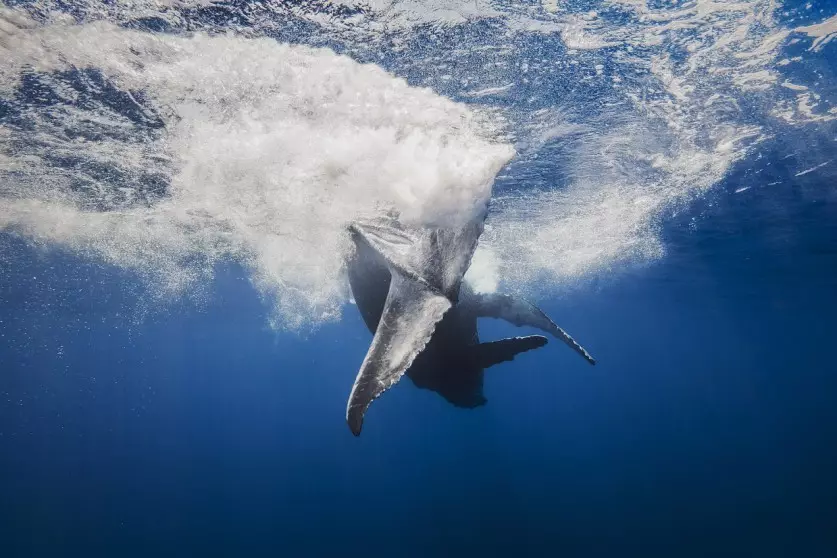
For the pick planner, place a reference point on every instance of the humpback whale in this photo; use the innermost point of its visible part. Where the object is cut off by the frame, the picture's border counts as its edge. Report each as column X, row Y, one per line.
column 407, row 283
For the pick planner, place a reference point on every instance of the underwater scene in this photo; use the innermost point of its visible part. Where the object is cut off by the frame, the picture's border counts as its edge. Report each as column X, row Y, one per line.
column 418, row 278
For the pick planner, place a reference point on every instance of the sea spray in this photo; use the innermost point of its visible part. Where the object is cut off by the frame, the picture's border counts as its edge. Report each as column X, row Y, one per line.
column 266, row 153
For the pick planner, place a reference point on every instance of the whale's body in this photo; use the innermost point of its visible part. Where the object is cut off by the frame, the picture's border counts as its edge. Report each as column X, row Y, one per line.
column 407, row 284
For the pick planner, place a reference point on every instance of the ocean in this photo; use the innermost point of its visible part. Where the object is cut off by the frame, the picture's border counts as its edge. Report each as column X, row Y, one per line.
column 178, row 339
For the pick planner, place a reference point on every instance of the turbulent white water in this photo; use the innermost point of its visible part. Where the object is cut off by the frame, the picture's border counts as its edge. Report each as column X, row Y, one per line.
column 271, row 151
column 166, row 153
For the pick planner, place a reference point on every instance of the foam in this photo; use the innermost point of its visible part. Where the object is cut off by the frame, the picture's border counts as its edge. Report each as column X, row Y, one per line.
column 407, row 14
column 671, row 128
column 269, row 151
column 822, row 33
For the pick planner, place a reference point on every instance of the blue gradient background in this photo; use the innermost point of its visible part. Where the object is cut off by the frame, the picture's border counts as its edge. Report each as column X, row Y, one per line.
column 709, row 427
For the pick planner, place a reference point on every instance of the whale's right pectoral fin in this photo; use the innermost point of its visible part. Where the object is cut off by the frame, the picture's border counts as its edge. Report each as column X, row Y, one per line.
column 411, row 312
column 522, row 313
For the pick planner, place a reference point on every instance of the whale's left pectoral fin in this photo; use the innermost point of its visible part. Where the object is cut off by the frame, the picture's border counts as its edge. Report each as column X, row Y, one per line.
column 521, row 313
column 494, row 352
column 411, row 312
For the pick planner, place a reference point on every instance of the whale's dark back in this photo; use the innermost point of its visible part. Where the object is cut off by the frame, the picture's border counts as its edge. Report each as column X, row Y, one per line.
column 369, row 278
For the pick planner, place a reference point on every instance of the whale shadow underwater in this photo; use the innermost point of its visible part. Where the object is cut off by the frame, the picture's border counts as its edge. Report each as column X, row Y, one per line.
column 407, row 284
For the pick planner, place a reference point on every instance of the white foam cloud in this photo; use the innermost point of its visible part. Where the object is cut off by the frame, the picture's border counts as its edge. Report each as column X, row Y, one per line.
column 269, row 151
column 620, row 117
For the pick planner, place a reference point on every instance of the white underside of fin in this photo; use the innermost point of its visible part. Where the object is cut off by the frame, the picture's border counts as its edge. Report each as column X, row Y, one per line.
column 410, row 315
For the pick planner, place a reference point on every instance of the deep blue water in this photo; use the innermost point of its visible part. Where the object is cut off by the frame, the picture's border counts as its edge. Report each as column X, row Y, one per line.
column 709, row 428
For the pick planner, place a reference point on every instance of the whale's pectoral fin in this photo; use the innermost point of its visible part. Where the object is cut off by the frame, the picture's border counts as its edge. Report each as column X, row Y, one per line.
column 411, row 312
column 521, row 313
column 504, row 350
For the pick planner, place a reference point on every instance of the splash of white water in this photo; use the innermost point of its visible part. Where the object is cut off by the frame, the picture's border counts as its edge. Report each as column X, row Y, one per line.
column 269, row 151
